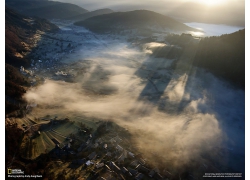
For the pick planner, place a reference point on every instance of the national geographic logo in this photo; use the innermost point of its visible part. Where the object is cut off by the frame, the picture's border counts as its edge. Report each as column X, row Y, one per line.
column 15, row 171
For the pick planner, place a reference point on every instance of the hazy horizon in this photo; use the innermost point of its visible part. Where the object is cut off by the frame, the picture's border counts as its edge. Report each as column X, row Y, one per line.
column 230, row 12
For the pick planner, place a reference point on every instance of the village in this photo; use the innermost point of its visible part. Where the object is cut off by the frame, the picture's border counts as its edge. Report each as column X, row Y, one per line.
column 75, row 137
column 94, row 150
column 106, row 152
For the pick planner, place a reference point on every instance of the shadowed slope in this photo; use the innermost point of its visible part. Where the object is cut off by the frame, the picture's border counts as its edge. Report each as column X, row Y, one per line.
column 224, row 56
column 45, row 9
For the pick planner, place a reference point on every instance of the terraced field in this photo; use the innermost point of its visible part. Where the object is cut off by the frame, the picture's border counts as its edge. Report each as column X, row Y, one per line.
column 26, row 121
column 66, row 129
column 47, row 139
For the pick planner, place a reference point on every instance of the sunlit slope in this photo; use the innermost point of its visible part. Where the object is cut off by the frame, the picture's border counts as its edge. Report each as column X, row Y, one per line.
column 138, row 19
column 44, row 142
column 18, row 31
column 34, row 143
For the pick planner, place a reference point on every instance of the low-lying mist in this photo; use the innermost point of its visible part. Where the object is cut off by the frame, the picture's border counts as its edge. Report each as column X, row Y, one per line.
column 177, row 118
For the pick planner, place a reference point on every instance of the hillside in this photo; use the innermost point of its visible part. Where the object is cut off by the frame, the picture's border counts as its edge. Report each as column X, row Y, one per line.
column 138, row 19
column 87, row 15
column 19, row 29
column 45, row 9
column 224, row 56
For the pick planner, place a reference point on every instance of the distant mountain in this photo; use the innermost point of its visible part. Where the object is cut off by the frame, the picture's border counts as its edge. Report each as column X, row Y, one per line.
column 224, row 56
column 45, row 9
column 87, row 15
column 133, row 20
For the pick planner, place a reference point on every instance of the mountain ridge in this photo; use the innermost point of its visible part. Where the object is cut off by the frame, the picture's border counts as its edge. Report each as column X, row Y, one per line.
column 138, row 19
column 87, row 15
column 46, row 9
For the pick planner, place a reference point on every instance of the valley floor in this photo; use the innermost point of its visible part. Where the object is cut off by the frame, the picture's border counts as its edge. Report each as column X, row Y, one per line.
column 176, row 118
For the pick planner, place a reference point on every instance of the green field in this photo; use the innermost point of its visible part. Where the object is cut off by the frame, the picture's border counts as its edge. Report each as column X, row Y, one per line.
column 35, row 145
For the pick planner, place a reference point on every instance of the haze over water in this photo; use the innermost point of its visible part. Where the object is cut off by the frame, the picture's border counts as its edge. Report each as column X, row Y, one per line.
column 213, row 29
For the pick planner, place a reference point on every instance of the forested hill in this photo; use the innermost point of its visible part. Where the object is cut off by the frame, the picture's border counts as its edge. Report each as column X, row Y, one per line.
column 19, row 29
column 87, row 15
column 45, row 8
column 224, row 56
column 138, row 19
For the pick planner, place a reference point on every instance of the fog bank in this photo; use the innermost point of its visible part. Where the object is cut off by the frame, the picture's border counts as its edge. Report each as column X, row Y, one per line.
column 186, row 118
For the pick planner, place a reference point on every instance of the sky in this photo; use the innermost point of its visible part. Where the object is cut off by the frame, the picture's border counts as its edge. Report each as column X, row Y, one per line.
column 231, row 12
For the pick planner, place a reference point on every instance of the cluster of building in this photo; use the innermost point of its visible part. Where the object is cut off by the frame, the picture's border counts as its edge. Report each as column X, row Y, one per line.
column 106, row 159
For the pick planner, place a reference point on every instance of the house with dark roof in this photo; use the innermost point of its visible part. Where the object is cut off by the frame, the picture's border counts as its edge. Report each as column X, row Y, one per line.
column 138, row 166
column 131, row 155
column 114, row 167
column 107, row 167
column 139, row 176
column 158, row 176
column 79, row 161
column 133, row 171
column 92, row 155
column 119, row 148
column 142, row 161
column 122, row 177
column 83, row 145
column 151, row 173
column 124, row 170
column 109, row 154
column 144, row 169
column 134, row 163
